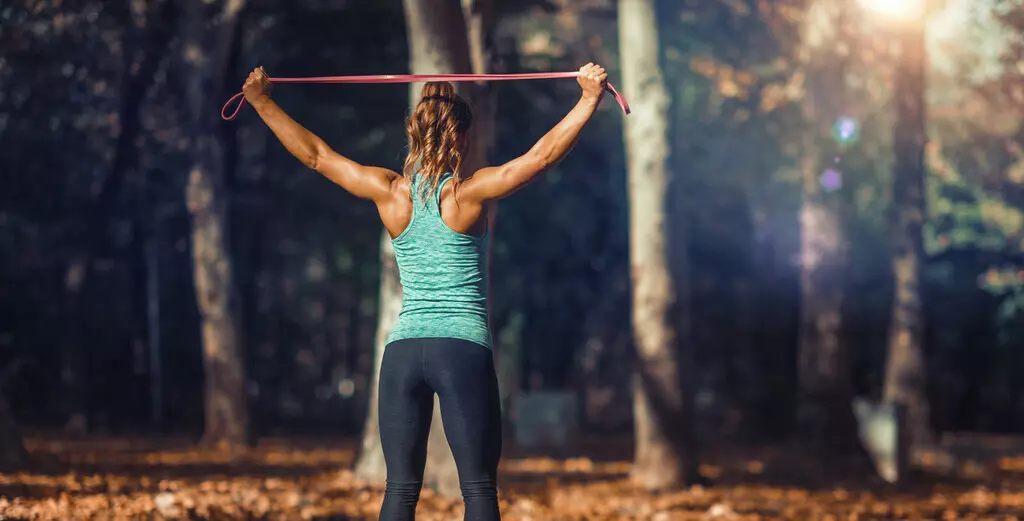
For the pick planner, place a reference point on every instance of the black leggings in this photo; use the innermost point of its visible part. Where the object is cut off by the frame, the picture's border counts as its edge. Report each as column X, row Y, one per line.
column 462, row 375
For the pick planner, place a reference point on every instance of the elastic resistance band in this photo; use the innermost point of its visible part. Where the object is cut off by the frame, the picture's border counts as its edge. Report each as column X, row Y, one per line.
column 411, row 78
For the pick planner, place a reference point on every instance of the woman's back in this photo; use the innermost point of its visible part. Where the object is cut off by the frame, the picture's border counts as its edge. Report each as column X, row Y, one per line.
column 443, row 274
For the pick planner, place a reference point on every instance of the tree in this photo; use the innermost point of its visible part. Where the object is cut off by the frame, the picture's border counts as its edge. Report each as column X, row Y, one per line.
column 664, row 457
column 370, row 465
column 824, row 377
column 905, row 368
column 209, row 38
column 438, row 44
column 144, row 44
column 140, row 75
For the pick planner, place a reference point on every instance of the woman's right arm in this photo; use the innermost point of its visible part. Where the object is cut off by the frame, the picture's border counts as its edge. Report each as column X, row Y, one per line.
column 497, row 182
column 365, row 182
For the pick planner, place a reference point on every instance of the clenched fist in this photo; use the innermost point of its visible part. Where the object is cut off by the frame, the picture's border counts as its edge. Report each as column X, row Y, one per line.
column 592, row 79
column 257, row 86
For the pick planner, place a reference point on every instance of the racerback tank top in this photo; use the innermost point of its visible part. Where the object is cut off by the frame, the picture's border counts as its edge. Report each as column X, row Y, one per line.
column 443, row 275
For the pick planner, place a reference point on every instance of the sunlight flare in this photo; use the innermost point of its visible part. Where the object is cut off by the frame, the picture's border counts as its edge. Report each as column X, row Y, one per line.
column 898, row 10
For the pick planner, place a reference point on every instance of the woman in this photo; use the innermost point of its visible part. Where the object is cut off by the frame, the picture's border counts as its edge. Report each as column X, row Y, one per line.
column 436, row 215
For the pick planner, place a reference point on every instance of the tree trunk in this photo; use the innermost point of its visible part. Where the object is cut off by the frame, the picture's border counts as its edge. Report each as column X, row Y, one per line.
column 480, row 18
column 370, row 465
column 824, row 376
column 663, row 457
column 207, row 48
column 905, row 372
column 144, row 49
column 824, row 367
column 12, row 450
column 438, row 44
column 156, row 397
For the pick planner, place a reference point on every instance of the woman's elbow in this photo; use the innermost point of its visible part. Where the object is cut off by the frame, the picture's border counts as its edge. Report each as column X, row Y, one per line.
column 315, row 158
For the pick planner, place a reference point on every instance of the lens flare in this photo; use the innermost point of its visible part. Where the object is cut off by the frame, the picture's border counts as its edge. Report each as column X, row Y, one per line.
column 831, row 180
column 846, row 131
column 898, row 10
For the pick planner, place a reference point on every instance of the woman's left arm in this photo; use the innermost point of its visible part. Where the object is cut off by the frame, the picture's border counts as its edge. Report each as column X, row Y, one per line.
column 365, row 182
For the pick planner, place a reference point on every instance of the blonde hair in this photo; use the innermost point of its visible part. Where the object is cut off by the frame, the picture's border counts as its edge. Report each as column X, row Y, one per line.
column 437, row 131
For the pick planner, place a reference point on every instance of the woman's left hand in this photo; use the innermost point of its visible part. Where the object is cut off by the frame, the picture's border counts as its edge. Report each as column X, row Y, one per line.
column 257, row 86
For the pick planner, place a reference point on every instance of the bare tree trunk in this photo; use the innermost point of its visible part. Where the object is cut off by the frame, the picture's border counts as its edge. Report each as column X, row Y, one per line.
column 480, row 18
column 144, row 48
column 438, row 44
column 12, row 450
column 156, row 400
column 207, row 48
column 370, row 464
column 824, row 375
column 664, row 457
column 905, row 372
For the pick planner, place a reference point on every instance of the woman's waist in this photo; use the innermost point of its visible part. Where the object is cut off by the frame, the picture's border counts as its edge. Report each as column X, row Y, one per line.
column 472, row 327
column 434, row 307
column 413, row 318
column 467, row 293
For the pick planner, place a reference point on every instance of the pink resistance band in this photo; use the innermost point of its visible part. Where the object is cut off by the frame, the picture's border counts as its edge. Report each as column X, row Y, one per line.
column 410, row 78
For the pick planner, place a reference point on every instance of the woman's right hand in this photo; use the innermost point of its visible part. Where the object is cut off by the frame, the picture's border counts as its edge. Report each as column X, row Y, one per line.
column 592, row 78
column 257, row 86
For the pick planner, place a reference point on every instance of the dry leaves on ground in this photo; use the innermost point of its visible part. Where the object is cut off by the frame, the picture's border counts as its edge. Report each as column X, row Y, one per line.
column 114, row 479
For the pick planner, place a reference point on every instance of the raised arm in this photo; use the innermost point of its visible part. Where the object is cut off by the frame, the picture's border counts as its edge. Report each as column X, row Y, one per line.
column 366, row 182
column 496, row 182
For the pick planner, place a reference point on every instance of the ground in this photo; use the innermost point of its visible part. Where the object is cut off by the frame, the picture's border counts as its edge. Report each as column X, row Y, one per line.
column 114, row 479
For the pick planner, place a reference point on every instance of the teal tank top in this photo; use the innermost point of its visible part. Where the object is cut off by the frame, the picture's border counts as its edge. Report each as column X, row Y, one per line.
column 443, row 275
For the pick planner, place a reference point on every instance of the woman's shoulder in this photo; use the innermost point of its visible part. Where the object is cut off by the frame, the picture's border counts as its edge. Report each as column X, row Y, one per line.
column 401, row 188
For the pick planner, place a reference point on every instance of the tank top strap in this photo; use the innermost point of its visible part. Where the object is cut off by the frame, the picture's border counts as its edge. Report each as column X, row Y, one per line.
column 431, row 204
column 416, row 188
column 440, row 186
